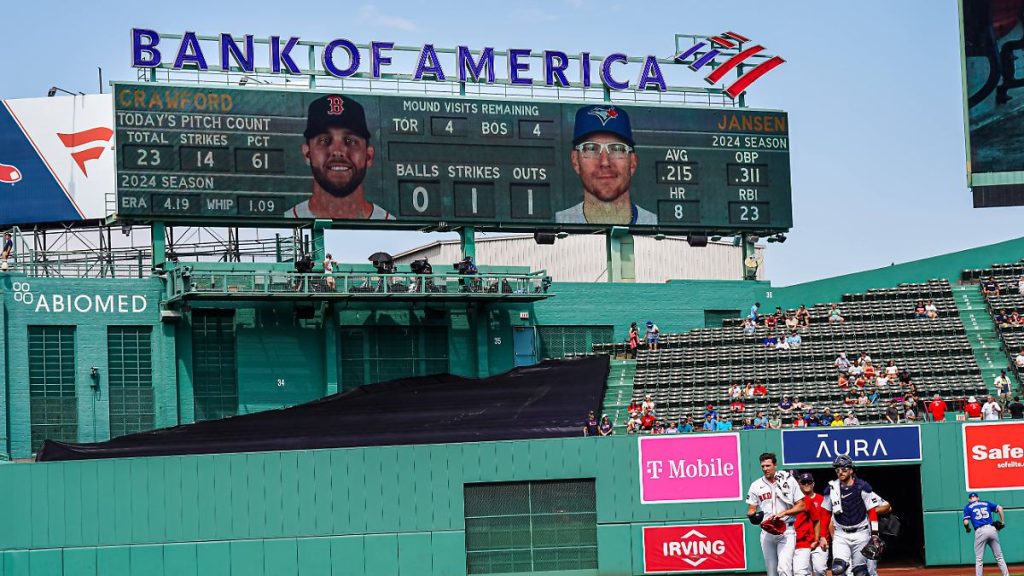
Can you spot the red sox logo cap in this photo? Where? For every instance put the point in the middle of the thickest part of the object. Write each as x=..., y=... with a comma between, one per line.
x=335, y=111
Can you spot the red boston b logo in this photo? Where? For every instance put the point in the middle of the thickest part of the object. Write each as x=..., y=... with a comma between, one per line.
x=335, y=105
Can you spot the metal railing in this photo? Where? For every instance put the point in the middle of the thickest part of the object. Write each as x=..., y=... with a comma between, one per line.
x=185, y=282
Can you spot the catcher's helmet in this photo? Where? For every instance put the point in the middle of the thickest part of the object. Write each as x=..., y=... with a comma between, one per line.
x=843, y=461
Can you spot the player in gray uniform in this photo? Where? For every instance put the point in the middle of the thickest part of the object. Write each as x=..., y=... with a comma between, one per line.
x=986, y=531
x=852, y=503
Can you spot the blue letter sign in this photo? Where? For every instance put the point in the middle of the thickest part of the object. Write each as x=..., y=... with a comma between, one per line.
x=820, y=446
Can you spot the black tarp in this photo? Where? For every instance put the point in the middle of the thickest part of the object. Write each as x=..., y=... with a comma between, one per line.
x=547, y=400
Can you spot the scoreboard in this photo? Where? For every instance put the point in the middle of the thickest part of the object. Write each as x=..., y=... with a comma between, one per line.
x=236, y=156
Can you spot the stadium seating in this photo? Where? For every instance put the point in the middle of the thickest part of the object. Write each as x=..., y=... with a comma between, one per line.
x=1009, y=299
x=692, y=369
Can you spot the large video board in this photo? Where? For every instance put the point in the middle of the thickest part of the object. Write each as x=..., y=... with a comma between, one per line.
x=993, y=87
x=262, y=156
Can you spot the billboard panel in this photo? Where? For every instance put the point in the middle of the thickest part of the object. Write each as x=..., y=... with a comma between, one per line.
x=270, y=156
x=994, y=456
x=865, y=444
x=702, y=468
x=56, y=162
x=694, y=548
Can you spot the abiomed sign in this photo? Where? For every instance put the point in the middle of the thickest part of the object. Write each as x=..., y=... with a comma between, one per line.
x=80, y=303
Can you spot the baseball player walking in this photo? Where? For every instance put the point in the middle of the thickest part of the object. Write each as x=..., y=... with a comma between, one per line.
x=852, y=503
x=811, y=554
x=772, y=501
x=979, y=513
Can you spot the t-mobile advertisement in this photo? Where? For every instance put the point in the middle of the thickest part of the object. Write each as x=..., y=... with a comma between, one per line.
x=690, y=468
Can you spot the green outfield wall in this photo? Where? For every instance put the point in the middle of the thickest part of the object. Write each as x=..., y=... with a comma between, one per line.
x=382, y=511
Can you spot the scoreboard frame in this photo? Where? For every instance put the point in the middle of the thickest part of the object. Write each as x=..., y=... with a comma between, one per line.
x=183, y=154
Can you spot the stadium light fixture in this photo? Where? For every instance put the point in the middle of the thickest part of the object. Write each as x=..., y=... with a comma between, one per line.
x=780, y=238
x=54, y=89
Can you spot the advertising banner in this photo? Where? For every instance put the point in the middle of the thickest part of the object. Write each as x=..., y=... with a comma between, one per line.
x=56, y=159
x=994, y=456
x=862, y=443
x=690, y=468
x=694, y=548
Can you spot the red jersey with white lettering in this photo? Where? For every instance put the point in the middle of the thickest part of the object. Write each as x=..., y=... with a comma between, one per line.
x=804, y=521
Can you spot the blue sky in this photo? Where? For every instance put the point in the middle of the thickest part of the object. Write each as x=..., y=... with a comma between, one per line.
x=872, y=89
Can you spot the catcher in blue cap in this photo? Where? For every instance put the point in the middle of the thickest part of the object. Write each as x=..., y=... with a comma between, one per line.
x=604, y=157
x=339, y=152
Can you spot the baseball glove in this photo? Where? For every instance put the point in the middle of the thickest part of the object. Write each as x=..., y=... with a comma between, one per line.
x=756, y=517
x=874, y=548
x=999, y=524
x=774, y=526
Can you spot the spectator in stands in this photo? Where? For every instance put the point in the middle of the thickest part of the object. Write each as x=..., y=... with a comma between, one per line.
x=862, y=398
x=791, y=322
x=590, y=428
x=799, y=422
x=990, y=287
x=863, y=359
x=873, y=397
x=1019, y=359
x=842, y=363
x=634, y=339
x=648, y=405
x=1002, y=320
x=843, y=381
x=634, y=408
x=710, y=411
x=837, y=420
x=1014, y=318
x=687, y=426
x=882, y=380
x=748, y=424
x=800, y=405
x=1016, y=409
x=775, y=422
x=760, y=389
x=786, y=405
x=709, y=424
x=851, y=397
x=794, y=340
x=753, y=312
x=861, y=381
x=919, y=312
x=937, y=409
x=770, y=341
x=892, y=414
x=723, y=425
x=931, y=309
x=904, y=378
x=737, y=405
x=749, y=327
x=869, y=371
x=835, y=315
x=991, y=410
x=329, y=280
x=761, y=421
x=748, y=389
x=772, y=320
x=8, y=250
x=803, y=316
x=826, y=417
x=652, y=335
x=1020, y=285
x=1003, y=386
x=810, y=418
x=606, y=428
x=910, y=414
x=633, y=424
x=659, y=427
x=672, y=428
x=891, y=371
x=972, y=409
x=851, y=420
x=735, y=391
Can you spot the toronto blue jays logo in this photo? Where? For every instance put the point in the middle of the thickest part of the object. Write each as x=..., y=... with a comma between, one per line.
x=604, y=114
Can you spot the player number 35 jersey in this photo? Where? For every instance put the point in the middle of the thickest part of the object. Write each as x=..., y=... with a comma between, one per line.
x=774, y=497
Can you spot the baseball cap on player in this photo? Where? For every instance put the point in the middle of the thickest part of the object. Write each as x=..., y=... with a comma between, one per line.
x=337, y=111
x=602, y=118
x=805, y=478
x=972, y=495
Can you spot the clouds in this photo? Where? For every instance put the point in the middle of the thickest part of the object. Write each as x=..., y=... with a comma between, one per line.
x=370, y=15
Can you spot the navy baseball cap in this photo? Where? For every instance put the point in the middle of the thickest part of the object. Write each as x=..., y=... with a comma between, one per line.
x=972, y=495
x=805, y=478
x=335, y=111
x=602, y=118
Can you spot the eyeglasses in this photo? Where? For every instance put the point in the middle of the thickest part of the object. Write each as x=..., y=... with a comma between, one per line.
x=592, y=150
x=843, y=468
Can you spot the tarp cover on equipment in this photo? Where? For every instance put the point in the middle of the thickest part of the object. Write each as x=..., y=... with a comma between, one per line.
x=547, y=400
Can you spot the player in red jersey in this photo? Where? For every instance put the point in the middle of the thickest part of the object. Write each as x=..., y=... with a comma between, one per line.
x=811, y=554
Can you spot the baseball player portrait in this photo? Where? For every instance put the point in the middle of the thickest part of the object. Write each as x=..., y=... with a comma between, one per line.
x=338, y=150
x=852, y=503
x=773, y=501
x=811, y=554
x=980, y=514
x=604, y=156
